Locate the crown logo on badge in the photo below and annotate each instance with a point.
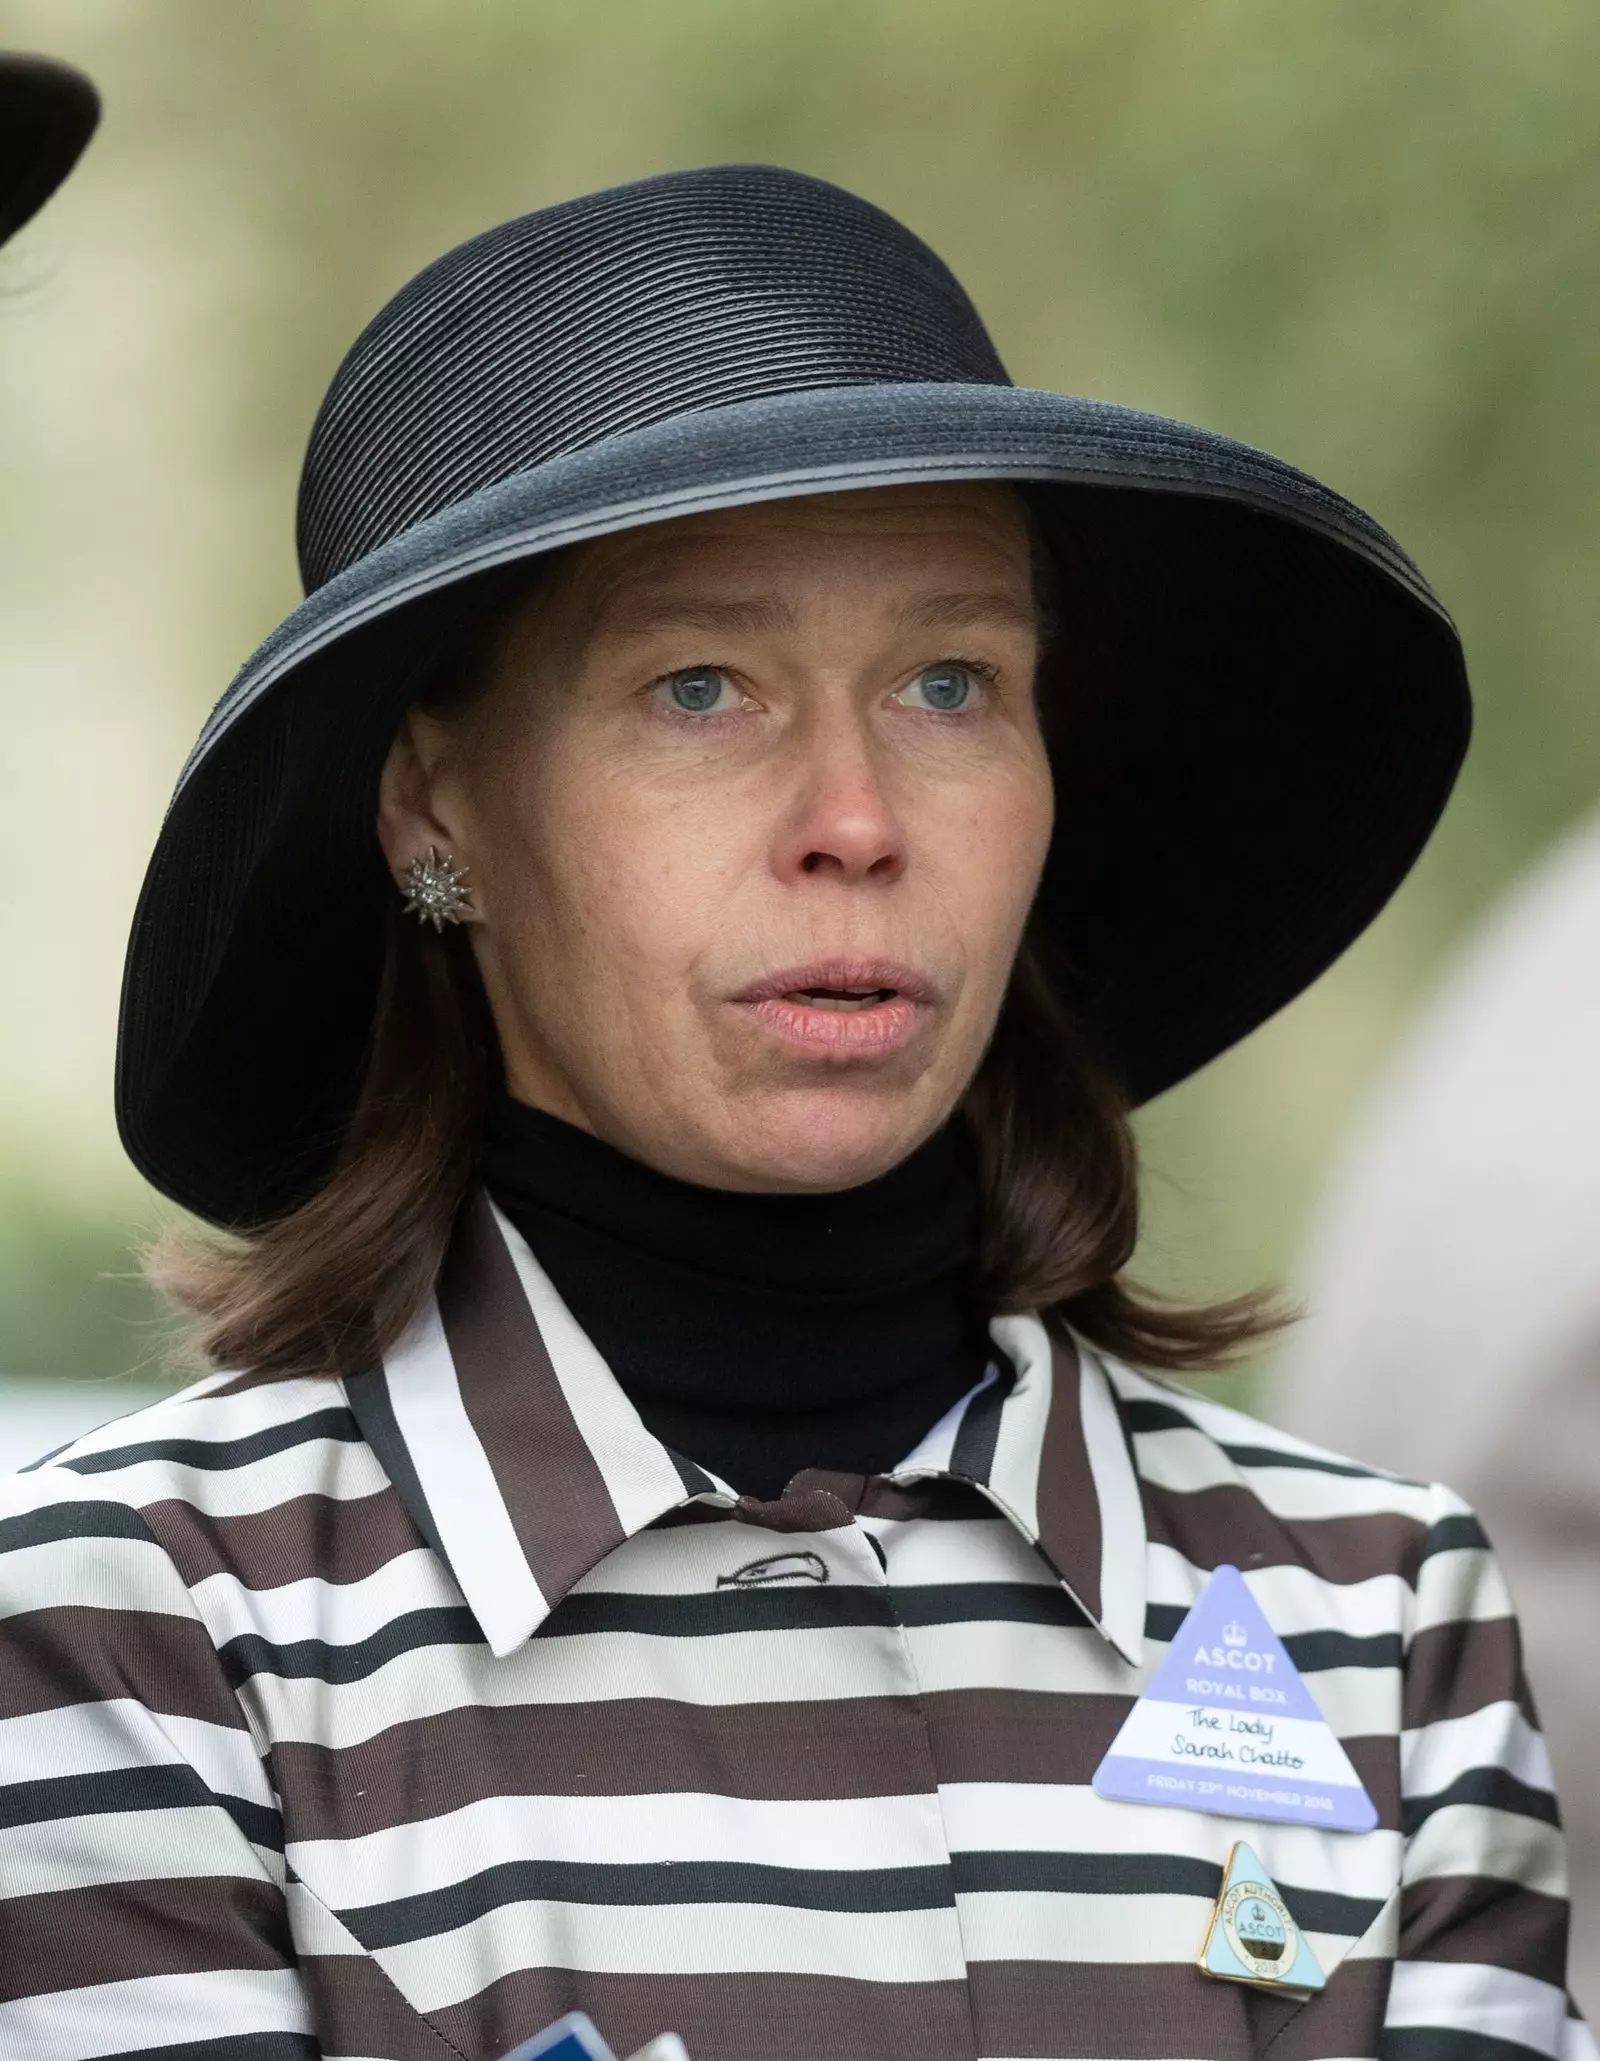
(1234, 1634)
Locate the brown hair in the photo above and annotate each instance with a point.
(327, 1287)
(332, 1284)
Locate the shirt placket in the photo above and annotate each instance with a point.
(818, 1514)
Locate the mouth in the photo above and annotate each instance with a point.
(840, 998)
(842, 1009)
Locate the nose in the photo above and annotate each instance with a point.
(841, 821)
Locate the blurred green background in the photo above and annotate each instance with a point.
(1364, 236)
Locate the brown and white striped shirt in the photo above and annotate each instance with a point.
(393, 1719)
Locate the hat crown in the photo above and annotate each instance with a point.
(603, 314)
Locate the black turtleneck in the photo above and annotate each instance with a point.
(758, 1334)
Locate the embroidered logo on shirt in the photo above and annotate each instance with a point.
(777, 1567)
(1227, 1725)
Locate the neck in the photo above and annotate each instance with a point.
(759, 1334)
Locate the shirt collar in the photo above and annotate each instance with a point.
(523, 1463)
(1043, 1440)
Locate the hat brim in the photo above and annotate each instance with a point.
(48, 112)
(1265, 718)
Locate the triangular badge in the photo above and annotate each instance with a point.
(1253, 1936)
(1227, 1725)
(574, 2038)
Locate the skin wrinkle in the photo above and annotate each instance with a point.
(634, 869)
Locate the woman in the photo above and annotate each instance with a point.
(652, 961)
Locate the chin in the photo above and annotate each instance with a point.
(839, 1145)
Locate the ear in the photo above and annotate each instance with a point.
(413, 805)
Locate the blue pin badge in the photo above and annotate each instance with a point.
(574, 2038)
(1253, 1936)
(1227, 1725)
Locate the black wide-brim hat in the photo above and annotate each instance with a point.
(48, 112)
(1266, 705)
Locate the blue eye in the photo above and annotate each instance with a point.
(698, 691)
(947, 689)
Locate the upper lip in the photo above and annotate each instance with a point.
(846, 976)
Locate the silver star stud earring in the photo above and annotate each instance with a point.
(435, 888)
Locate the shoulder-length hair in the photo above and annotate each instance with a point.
(333, 1284)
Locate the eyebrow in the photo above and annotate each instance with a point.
(642, 617)
(765, 613)
(967, 611)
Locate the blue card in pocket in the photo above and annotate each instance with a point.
(574, 2038)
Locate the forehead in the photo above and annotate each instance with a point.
(928, 537)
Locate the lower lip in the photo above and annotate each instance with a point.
(839, 1033)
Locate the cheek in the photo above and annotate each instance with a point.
(1032, 813)
(991, 866)
(1037, 827)
(595, 882)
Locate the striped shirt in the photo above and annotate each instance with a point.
(393, 1718)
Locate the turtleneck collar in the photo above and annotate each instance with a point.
(759, 1334)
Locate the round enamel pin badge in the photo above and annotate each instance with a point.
(1252, 1937)
(1257, 1925)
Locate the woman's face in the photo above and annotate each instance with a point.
(754, 805)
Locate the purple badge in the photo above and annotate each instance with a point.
(1227, 1725)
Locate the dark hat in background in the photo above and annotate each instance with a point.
(1267, 704)
(48, 112)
